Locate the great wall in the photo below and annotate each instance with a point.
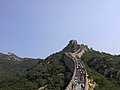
(79, 80)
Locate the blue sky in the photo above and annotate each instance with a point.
(38, 28)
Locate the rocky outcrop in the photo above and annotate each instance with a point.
(73, 44)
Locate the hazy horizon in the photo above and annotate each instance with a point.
(36, 28)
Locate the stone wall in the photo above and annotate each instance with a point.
(69, 62)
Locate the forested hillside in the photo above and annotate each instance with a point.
(12, 67)
(104, 69)
(30, 74)
(50, 72)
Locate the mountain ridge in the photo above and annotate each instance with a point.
(52, 71)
